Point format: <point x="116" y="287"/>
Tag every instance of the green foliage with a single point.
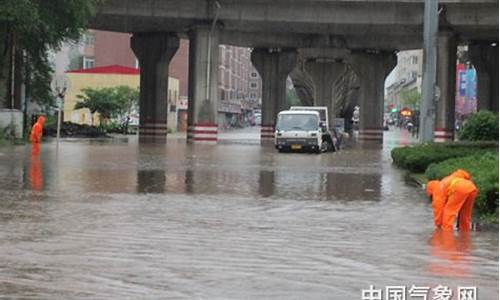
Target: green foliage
<point x="481" y="126"/>
<point x="127" y="99"/>
<point x="418" y="158"/>
<point x="34" y="27"/>
<point x="108" y="102"/>
<point x="410" y="98"/>
<point x="483" y="168"/>
<point x="112" y="127"/>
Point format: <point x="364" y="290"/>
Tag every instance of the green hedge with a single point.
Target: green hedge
<point x="417" y="158"/>
<point x="483" y="168"/>
<point x="480" y="126"/>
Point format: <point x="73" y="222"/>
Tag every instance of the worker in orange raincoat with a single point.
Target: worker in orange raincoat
<point x="37" y="131"/>
<point x="461" y="195"/>
<point x="433" y="191"/>
<point x="441" y="192"/>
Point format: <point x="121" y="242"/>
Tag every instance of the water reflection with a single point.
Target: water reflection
<point x="177" y="168"/>
<point x="36" y="176"/>
<point x="266" y="183"/>
<point x="341" y="186"/>
<point x="151" y="181"/>
<point x="189" y="182"/>
<point x="451" y="252"/>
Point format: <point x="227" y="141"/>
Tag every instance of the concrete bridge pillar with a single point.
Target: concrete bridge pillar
<point x="273" y="65"/>
<point x="372" y="69"/>
<point x="154" y="50"/>
<point x="444" y="126"/>
<point x="484" y="57"/>
<point x="203" y="93"/>
<point x="324" y="74"/>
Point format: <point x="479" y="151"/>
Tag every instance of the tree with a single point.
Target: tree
<point x="127" y="99"/>
<point x="30" y="28"/>
<point x="109" y="102"/>
<point x="410" y="98"/>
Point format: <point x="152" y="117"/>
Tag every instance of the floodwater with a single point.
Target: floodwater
<point x="117" y="220"/>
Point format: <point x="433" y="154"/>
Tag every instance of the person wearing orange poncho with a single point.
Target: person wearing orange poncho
<point x="461" y="194"/>
<point x="438" y="202"/>
<point x="454" y="195"/>
<point x="37" y="131"/>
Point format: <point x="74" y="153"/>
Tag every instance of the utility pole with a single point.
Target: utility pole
<point x="429" y="95"/>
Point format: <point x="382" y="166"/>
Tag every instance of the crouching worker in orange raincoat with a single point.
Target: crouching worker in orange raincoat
<point x="438" y="201"/>
<point x="461" y="194"/>
<point x="37" y="130"/>
<point x="456" y="187"/>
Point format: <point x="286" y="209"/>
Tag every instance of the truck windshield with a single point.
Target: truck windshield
<point x="287" y="122"/>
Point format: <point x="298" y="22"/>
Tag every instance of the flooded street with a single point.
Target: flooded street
<point x="114" y="219"/>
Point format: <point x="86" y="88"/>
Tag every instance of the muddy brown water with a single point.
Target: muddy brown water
<point x="114" y="219"/>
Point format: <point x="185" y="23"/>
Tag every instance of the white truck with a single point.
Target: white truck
<point x="304" y="128"/>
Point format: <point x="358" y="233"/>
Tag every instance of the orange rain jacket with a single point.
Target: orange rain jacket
<point x="438" y="191"/>
<point x="37" y="130"/>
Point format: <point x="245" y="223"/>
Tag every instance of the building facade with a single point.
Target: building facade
<point x="407" y="77"/>
<point x="108" y="76"/>
<point x="239" y="85"/>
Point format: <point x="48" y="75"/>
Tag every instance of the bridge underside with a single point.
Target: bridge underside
<point x="383" y="25"/>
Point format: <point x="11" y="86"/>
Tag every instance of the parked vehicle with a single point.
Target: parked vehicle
<point x="304" y="129"/>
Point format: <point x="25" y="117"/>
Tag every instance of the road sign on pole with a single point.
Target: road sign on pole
<point x="429" y="95"/>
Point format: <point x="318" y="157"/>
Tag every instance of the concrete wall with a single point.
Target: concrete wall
<point x="11" y="119"/>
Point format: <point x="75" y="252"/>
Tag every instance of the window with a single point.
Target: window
<point x="253" y="96"/>
<point x="253" y="74"/>
<point x="253" y="85"/>
<point x="88" y="62"/>
<point x="414" y="60"/>
<point x="89" y="39"/>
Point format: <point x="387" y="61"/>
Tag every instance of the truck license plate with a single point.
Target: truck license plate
<point x="296" y="147"/>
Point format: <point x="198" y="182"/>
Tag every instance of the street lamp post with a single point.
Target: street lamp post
<point x="429" y="94"/>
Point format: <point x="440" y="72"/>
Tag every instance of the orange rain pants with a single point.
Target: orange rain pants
<point x="461" y="195"/>
<point x="438" y="191"/>
<point x="37" y="130"/>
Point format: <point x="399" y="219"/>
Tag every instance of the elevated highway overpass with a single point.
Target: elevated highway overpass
<point x="361" y="33"/>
